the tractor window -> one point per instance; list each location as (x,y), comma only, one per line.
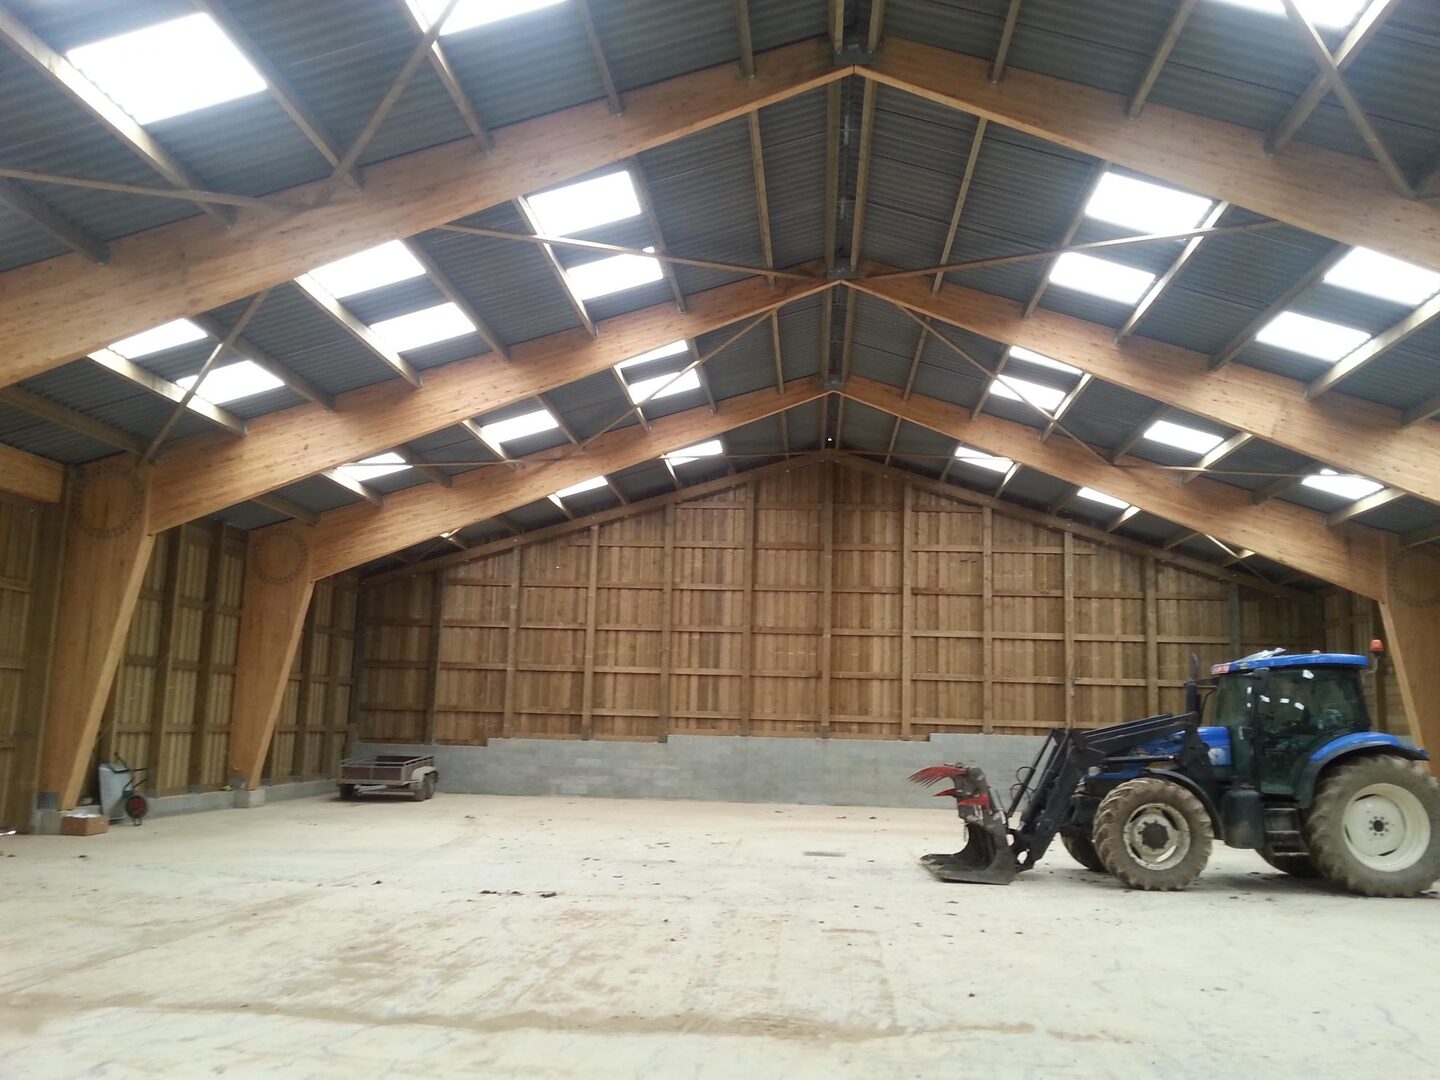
(1232,700)
(1311,700)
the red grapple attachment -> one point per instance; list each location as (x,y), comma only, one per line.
(986,858)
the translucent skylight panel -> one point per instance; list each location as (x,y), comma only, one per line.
(1008,386)
(424,327)
(969,455)
(1310,336)
(1332,13)
(168,69)
(700,450)
(1100,277)
(583,486)
(586,205)
(660,386)
(1144,206)
(1373,274)
(372,467)
(168,335)
(517,427)
(232,382)
(1018,352)
(675,348)
(370,269)
(469,14)
(1346,485)
(605,276)
(1182,437)
(1100,497)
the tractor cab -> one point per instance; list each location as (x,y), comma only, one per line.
(1279,710)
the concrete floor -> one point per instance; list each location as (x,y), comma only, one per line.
(318,938)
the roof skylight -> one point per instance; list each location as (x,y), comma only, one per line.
(1373,274)
(518,427)
(1100,277)
(577,489)
(1144,206)
(1346,485)
(1310,336)
(469,14)
(369,269)
(700,450)
(587,205)
(660,386)
(1332,13)
(168,69)
(232,382)
(605,276)
(1018,352)
(1008,386)
(673,349)
(372,467)
(1182,437)
(1101,498)
(168,335)
(969,455)
(424,327)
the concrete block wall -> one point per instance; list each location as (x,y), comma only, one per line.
(826,772)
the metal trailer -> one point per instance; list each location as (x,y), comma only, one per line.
(388,773)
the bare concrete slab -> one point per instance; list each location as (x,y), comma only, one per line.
(549,937)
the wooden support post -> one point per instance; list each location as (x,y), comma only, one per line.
(747,634)
(277,594)
(1067,588)
(205,676)
(587,686)
(667,619)
(174,546)
(300,750)
(432,653)
(107,549)
(1152,646)
(827,575)
(907,612)
(1411,610)
(987,619)
(512,644)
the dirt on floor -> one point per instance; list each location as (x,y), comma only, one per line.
(546,937)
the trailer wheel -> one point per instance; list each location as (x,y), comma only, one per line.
(1153,834)
(427,786)
(1288,863)
(1082,850)
(1374,827)
(347,791)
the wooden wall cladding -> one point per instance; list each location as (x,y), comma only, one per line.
(1351,623)
(818,602)
(29,565)
(169,707)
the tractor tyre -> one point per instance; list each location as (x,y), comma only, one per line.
(1082,850)
(1374,827)
(1291,863)
(1152,834)
(348,792)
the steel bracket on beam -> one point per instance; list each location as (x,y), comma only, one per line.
(854,54)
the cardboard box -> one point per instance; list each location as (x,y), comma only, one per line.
(83,825)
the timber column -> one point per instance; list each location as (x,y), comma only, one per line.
(1411,610)
(107,549)
(277,594)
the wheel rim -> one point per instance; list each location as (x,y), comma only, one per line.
(1386,827)
(1157,836)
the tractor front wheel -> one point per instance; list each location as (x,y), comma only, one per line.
(1082,850)
(1374,827)
(1152,834)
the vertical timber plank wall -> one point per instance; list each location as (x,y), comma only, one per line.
(29,568)
(741,612)
(169,707)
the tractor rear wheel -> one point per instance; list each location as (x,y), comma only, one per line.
(1082,850)
(1152,834)
(1295,865)
(1374,827)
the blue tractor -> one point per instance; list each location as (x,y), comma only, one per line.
(1275,752)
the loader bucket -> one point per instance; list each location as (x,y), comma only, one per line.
(986,858)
